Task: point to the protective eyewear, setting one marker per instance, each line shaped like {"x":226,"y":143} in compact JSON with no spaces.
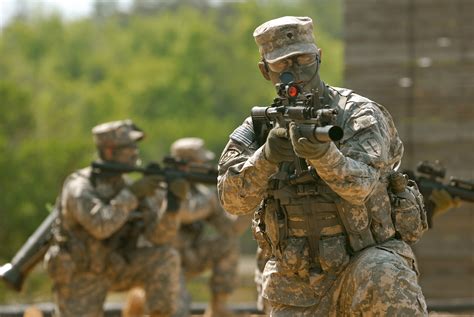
{"x":300,"y":60}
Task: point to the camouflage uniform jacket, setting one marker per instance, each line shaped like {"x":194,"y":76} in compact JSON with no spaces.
{"x":203,"y":208}
{"x":101,"y":220}
{"x":356,"y":169}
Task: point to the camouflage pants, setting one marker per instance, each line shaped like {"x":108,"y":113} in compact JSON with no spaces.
{"x":156,"y":269}
{"x":379,"y":281}
{"x":261,"y":260}
{"x":220,"y":255}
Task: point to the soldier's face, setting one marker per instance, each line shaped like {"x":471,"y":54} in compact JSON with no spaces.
{"x":304,"y":69}
{"x":127,"y":154}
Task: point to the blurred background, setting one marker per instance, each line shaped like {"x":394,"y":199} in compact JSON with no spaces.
{"x":182,"y":68}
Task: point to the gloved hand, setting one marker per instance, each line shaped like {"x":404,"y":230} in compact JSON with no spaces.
{"x":443,"y":201}
{"x":305,"y":148}
{"x":179,"y":187}
{"x":278,"y":148}
{"x":145,"y":186}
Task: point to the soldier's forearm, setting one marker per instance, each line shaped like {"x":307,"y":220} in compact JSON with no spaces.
{"x":352,"y":180}
{"x":102,"y":220}
{"x":241,"y":188}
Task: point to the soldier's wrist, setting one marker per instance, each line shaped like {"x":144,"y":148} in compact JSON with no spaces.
{"x":126,"y":196}
{"x":329,"y":156}
{"x":317,"y":152}
{"x":259,"y":159}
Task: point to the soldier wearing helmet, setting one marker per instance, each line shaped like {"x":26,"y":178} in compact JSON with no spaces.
{"x":322,"y":210}
{"x":199,"y":250}
{"x":108,"y":236}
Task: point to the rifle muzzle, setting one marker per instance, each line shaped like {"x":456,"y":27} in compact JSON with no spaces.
{"x":324,"y":134}
{"x":12,"y":277}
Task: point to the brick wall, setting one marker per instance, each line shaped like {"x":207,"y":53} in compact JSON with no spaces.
{"x":416,"y":57}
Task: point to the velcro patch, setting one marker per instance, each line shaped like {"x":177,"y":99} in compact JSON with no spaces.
{"x":363,"y":122}
{"x":244,"y":135}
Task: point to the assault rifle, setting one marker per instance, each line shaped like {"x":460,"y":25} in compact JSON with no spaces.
{"x":193,"y":174}
{"x":316,"y":123}
{"x":291,"y":104}
{"x":33,"y":251}
{"x":182,"y":164}
{"x":430,"y":176}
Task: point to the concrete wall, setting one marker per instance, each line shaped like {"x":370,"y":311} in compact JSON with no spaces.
{"x":416,"y":57}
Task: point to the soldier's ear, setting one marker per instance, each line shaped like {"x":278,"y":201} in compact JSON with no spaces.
{"x":320,"y":53}
{"x":264,"y":69}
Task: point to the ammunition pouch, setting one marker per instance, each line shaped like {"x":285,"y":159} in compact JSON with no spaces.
{"x":259,"y":234}
{"x":275,"y":225}
{"x":299,"y":223}
{"x":408,"y":213}
{"x":369,"y":223}
{"x":356,"y":220}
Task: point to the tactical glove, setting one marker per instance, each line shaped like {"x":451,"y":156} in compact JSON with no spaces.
{"x":145,"y":186}
{"x":305,"y":148}
{"x":443,"y":201}
{"x":179,"y":187}
{"x":278,"y":148}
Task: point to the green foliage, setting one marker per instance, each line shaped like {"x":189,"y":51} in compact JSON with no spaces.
{"x":184,"y":68}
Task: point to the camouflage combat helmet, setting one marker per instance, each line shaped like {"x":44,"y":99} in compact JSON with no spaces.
{"x":284,"y":37}
{"x":116,"y":133}
{"x":191,"y":149}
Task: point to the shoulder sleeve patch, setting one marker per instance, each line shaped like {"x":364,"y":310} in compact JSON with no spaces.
{"x":372,"y":148}
{"x":230,"y":154}
{"x":243,"y":134}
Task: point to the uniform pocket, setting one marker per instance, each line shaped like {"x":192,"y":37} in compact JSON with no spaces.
{"x":333,"y":253}
{"x":356,"y":221}
{"x":295,"y":257}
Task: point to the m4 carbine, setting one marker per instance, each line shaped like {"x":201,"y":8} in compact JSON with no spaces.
{"x":33,"y":251}
{"x":430,"y":176}
{"x":193,"y":174}
{"x":314,"y":122}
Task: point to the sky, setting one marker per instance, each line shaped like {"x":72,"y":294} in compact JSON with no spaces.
{"x":69,"y":9}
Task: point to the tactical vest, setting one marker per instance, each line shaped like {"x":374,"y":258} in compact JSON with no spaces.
{"x":305,"y":206}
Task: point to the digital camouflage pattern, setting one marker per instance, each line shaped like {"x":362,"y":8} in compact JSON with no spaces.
{"x":99,"y":247}
{"x":285,"y":36}
{"x":356,"y":170}
{"x":116,"y":133}
{"x":191,"y":150}
{"x":366,"y":287}
{"x":201,"y":250}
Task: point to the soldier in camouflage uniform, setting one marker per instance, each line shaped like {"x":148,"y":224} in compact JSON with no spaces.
{"x":335,"y":249}
{"x":199,"y":250}
{"x":110,"y":237}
